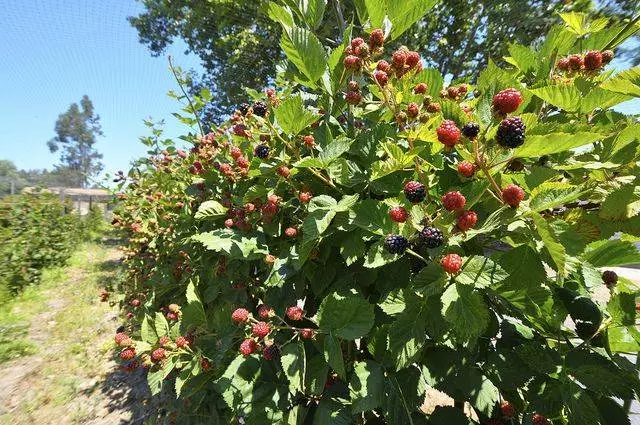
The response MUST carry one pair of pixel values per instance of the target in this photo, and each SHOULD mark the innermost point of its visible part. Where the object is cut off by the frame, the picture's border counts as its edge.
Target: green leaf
(378, 256)
(373, 216)
(347, 315)
(366, 386)
(580, 407)
(622, 308)
(161, 324)
(547, 144)
(566, 97)
(316, 374)
(396, 160)
(621, 204)
(305, 51)
(233, 243)
(238, 380)
(334, 150)
(611, 413)
(292, 116)
(293, 361)
(481, 272)
(394, 303)
(193, 313)
(599, 374)
(465, 310)
(611, 253)
(581, 24)
(556, 250)
(154, 380)
(210, 209)
(523, 57)
(332, 412)
(599, 98)
(408, 333)
(147, 331)
(279, 14)
(333, 355)
(626, 82)
(313, 11)
(403, 14)
(552, 194)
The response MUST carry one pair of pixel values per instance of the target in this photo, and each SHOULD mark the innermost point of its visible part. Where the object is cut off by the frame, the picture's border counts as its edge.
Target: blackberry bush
(298, 279)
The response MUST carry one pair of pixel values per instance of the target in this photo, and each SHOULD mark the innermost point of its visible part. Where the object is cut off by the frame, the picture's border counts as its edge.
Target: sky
(52, 52)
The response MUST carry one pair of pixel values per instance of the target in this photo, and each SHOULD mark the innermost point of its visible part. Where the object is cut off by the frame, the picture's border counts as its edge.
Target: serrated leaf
(539, 145)
(293, 361)
(598, 374)
(396, 160)
(566, 97)
(366, 386)
(147, 331)
(278, 13)
(193, 313)
(292, 116)
(333, 355)
(611, 253)
(305, 51)
(161, 325)
(552, 194)
(372, 216)
(347, 315)
(238, 380)
(621, 204)
(233, 243)
(481, 272)
(465, 310)
(626, 82)
(210, 209)
(556, 250)
(580, 407)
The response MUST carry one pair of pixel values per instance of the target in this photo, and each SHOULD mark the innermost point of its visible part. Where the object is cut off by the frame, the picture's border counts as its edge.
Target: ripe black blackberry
(244, 108)
(610, 278)
(261, 151)
(415, 192)
(511, 132)
(396, 244)
(260, 108)
(431, 237)
(471, 130)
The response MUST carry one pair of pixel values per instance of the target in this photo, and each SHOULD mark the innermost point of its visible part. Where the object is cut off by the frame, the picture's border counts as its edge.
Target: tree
(77, 130)
(239, 45)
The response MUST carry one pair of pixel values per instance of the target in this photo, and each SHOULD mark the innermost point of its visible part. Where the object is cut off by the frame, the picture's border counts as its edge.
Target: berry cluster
(587, 63)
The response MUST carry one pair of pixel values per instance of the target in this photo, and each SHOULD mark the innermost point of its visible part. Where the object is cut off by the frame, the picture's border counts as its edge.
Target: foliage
(241, 47)
(10, 174)
(284, 219)
(77, 130)
(38, 231)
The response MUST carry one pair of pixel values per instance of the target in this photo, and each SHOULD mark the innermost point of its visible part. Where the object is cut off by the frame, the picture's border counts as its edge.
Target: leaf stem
(193, 109)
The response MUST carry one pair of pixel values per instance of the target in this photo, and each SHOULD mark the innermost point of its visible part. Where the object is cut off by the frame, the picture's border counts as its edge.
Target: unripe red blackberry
(122, 339)
(128, 353)
(171, 316)
(269, 209)
(471, 130)
(420, 88)
(431, 237)
(383, 66)
(508, 410)
(361, 51)
(271, 352)
(453, 201)
(261, 151)
(242, 162)
(607, 56)
(376, 38)
(206, 364)
(453, 92)
(448, 133)
(182, 342)
(593, 60)
(507, 101)
(381, 77)
(356, 42)
(158, 355)
(414, 192)
(463, 88)
(309, 141)
(466, 168)
(260, 108)
(228, 223)
(353, 85)
(576, 62)
(294, 313)
(396, 244)
(511, 132)
(352, 62)
(353, 97)
(538, 419)
(610, 278)
(240, 315)
(563, 64)
(235, 152)
(466, 220)
(291, 232)
(451, 263)
(433, 107)
(399, 58)
(401, 118)
(413, 58)
(284, 171)
(135, 302)
(261, 329)
(164, 340)
(265, 311)
(307, 333)
(512, 195)
(247, 346)
(398, 214)
(304, 197)
(413, 110)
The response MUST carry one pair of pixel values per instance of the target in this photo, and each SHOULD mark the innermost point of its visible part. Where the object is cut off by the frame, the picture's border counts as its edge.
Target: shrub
(276, 249)
(37, 231)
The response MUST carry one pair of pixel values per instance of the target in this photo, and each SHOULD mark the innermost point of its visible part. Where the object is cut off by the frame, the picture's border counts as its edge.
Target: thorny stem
(193, 109)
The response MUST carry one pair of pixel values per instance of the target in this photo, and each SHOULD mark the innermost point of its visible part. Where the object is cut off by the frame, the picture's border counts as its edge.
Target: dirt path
(72, 378)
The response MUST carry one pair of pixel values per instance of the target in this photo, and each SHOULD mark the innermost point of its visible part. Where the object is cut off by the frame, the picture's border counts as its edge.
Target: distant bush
(37, 231)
